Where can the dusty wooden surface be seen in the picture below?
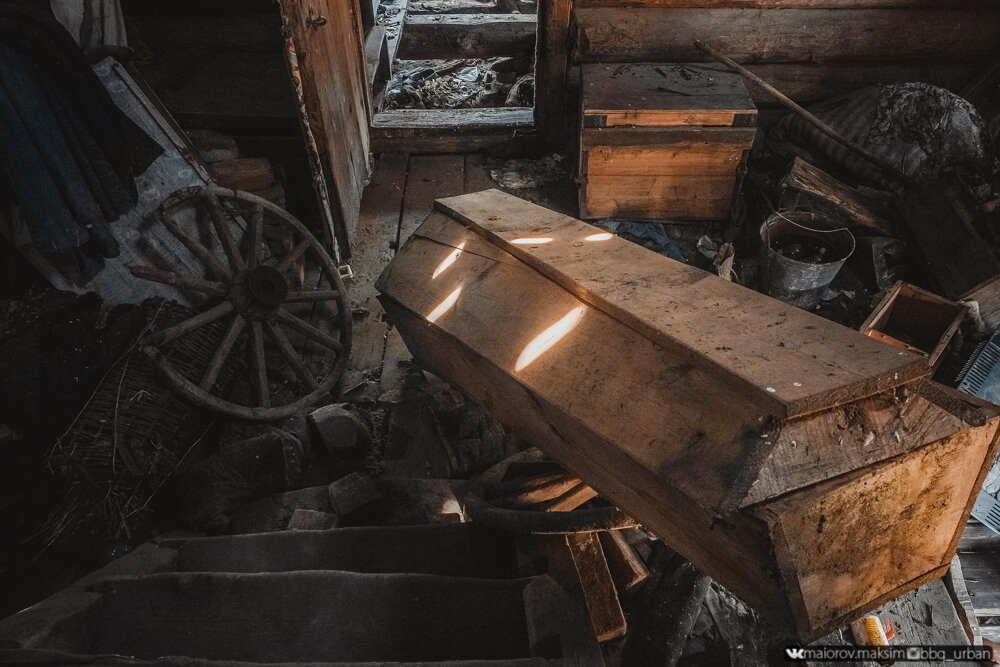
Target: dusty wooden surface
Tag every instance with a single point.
(785, 35)
(792, 361)
(327, 35)
(473, 316)
(467, 36)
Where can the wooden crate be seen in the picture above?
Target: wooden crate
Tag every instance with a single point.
(662, 141)
(810, 469)
(914, 319)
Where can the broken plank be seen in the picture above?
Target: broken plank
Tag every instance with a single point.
(449, 36)
(627, 569)
(577, 563)
(570, 500)
(807, 186)
(790, 360)
(451, 130)
(954, 581)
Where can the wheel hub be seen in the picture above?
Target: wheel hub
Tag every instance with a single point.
(267, 287)
(259, 291)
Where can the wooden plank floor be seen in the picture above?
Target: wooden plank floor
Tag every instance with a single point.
(979, 554)
(400, 196)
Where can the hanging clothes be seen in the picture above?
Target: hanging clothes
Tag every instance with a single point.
(68, 155)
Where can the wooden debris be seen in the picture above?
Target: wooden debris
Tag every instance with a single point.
(627, 569)
(671, 610)
(759, 488)
(249, 174)
(820, 125)
(806, 186)
(303, 519)
(570, 500)
(557, 626)
(939, 217)
(987, 298)
(353, 492)
(341, 430)
(577, 563)
(916, 320)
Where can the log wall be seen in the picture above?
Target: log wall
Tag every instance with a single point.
(809, 48)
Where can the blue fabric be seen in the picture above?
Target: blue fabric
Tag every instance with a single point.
(68, 155)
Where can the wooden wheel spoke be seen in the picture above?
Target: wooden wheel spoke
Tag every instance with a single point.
(222, 230)
(290, 355)
(222, 353)
(308, 330)
(258, 365)
(192, 323)
(296, 296)
(162, 276)
(255, 235)
(294, 255)
(205, 255)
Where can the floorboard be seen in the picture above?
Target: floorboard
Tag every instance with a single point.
(371, 249)
(430, 177)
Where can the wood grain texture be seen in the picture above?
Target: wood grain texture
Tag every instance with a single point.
(452, 131)
(792, 361)
(788, 35)
(807, 82)
(902, 514)
(810, 185)
(467, 36)
(371, 248)
(643, 92)
(678, 445)
(337, 97)
(791, 4)
(825, 445)
(672, 443)
(674, 517)
(551, 63)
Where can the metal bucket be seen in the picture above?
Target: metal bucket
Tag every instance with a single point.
(801, 283)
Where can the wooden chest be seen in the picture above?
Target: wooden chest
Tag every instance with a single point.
(662, 141)
(812, 470)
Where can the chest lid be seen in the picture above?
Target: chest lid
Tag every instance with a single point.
(665, 94)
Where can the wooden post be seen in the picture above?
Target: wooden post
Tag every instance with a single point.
(551, 62)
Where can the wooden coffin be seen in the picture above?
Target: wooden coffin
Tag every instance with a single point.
(662, 141)
(812, 470)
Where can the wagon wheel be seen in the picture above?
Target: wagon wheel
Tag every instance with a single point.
(271, 281)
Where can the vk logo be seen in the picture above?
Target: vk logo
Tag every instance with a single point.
(795, 653)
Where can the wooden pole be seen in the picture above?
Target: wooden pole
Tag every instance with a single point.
(820, 125)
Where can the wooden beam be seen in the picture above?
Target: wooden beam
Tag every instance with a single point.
(452, 130)
(844, 5)
(551, 62)
(790, 35)
(449, 36)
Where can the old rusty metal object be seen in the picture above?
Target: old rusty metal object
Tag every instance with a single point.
(276, 286)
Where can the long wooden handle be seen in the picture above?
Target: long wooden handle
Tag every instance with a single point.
(820, 125)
